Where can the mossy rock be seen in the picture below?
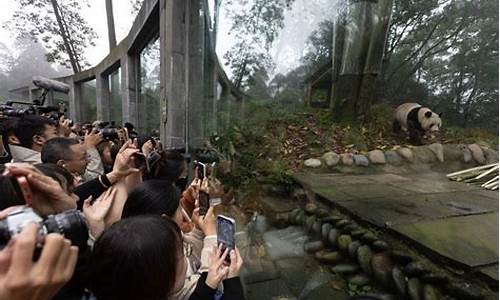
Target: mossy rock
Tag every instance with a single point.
(343, 242)
(333, 235)
(353, 249)
(364, 259)
(414, 289)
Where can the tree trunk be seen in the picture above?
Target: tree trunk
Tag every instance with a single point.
(66, 39)
(111, 24)
(359, 44)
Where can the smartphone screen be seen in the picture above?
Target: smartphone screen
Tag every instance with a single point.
(204, 202)
(225, 233)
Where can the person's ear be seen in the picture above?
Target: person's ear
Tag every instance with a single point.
(13, 140)
(61, 163)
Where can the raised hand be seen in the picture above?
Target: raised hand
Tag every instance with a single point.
(236, 263)
(63, 129)
(123, 163)
(96, 213)
(48, 196)
(205, 223)
(92, 139)
(23, 279)
(147, 147)
(216, 270)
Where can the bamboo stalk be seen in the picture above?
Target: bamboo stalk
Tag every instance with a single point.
(494, 179)
(471, 169)
(487, 172)
(489, 186)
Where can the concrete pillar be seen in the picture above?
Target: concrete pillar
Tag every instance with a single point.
(172, 75)
(130, 89)
(75, 101)
(196, 108)
(102, 97)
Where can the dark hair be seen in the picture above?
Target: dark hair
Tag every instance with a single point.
(57, 173)
(136, 258)
(28, 126)
(8, 191)
(169, 166)
(129, 126)
(156, 197)
(57, 148)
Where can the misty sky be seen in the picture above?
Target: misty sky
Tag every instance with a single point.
(300, 21)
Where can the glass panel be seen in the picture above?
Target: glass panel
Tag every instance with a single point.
(115, 100)
(150, 88)
(88, 105)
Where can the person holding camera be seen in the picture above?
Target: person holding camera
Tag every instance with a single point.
(21, 278)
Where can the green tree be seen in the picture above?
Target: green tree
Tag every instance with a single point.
(319, 46)
(444, 54)
(57, 24)
(255, 25)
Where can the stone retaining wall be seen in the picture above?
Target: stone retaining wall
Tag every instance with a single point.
(460, 155)
(361, 256)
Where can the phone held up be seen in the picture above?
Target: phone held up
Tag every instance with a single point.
(204, 202)
(225, 234)
(201, 170)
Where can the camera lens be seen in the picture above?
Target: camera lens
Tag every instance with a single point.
(71, 224)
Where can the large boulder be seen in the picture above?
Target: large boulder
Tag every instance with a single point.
(424, 155)
(393, 158)
(490, 155)
(466, 154)
(477, 153)
(347, 159)
(312, 163)
(406, 153)
(437, 149)
(361, 160)
(377, 157)
(453, 152)
(331, 158)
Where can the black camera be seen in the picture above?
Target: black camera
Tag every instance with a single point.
(9, 111)
(70, 223)
(109, 133)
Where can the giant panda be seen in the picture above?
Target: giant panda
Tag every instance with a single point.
(417, 120)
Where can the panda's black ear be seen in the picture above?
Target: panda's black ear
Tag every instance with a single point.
(428, 114)
(440, 114)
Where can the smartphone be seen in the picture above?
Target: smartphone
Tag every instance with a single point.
(203, 202)
(225, 233)
(22, 188)
(202, 170)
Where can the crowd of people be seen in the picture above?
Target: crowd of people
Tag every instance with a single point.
(127, 223)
